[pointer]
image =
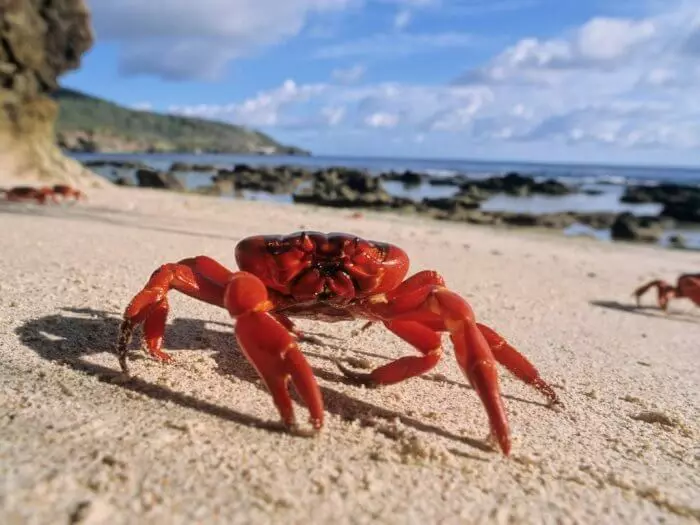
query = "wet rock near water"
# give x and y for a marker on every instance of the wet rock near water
(512, 183)
(662, 194)
(518, 185)
(183, 166)
(150, 178)
(119, 164)
(628, 227)
(349, 188)
(408, 178)
(686, 211)
(269, 179)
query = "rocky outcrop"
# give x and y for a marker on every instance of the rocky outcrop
(41, 39)
(150, 178)
(628, 227)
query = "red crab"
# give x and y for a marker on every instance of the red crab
(41, 195)
(687, 285)
(68, 192)
(26, 193)
(331, 277)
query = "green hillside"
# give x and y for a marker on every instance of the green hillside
(88, 123)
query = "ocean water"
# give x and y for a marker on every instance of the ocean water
(609, 181)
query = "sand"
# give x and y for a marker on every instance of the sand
(195, 441)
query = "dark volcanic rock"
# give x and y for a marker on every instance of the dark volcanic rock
(686, 211)
(39, 41)
(150, 178)
(628, 227)
(455, 180)
(183, 166)
(348, 188)
(517, 185)
(270, 179)
(662, 193)
(408, 178)
(452, 204)
(121, 164)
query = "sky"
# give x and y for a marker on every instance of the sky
(600, 81)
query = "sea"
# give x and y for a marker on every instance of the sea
(607, 181)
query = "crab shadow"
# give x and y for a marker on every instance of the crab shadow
(72, 336)
(646, 311)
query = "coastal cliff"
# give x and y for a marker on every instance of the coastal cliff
(40, 41)
(93, 125)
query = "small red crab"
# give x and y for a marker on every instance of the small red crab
(687, 285)
(68, 192)
(41, 195)
(331, 277)
(28, 193)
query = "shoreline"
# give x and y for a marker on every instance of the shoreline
(573, 205)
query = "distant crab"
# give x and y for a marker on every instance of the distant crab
(331, 277)
(41, 195)
(28, 193)
(687, 285)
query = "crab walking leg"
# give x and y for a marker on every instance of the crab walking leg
(198, 277)
(272, 349)
(436, 306)
(517, 363)
(425, 340)
(664, 290)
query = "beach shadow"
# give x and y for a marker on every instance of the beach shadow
(646, 311)
(76, 333)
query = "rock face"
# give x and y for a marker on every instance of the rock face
(41, 39)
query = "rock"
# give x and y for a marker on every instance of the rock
(550, 187)
(347, 188)
(120, 164)
(548, 220)
(685, 211)
(270, 179)
(472, 191)
(628, 227)
(667, 193)
(452, 204)
(597, 221)
(124, 181)
(517, 185)
(408, 178)
(456, 180)
(677, 241)
(183, 166)
(40, 41)
(150, 178)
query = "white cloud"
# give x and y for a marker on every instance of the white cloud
(402, 19)
(180, 39)
(616, 84)
(350, 75)
(392, 45)
(381, 120)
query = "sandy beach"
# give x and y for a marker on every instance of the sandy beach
(194, 441)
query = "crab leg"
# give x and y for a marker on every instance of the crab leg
(272, 349)
(424, 339)
(664, 292)
(435, 306)
(517, 363)
(199, 277)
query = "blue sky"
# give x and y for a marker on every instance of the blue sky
(548, 80)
